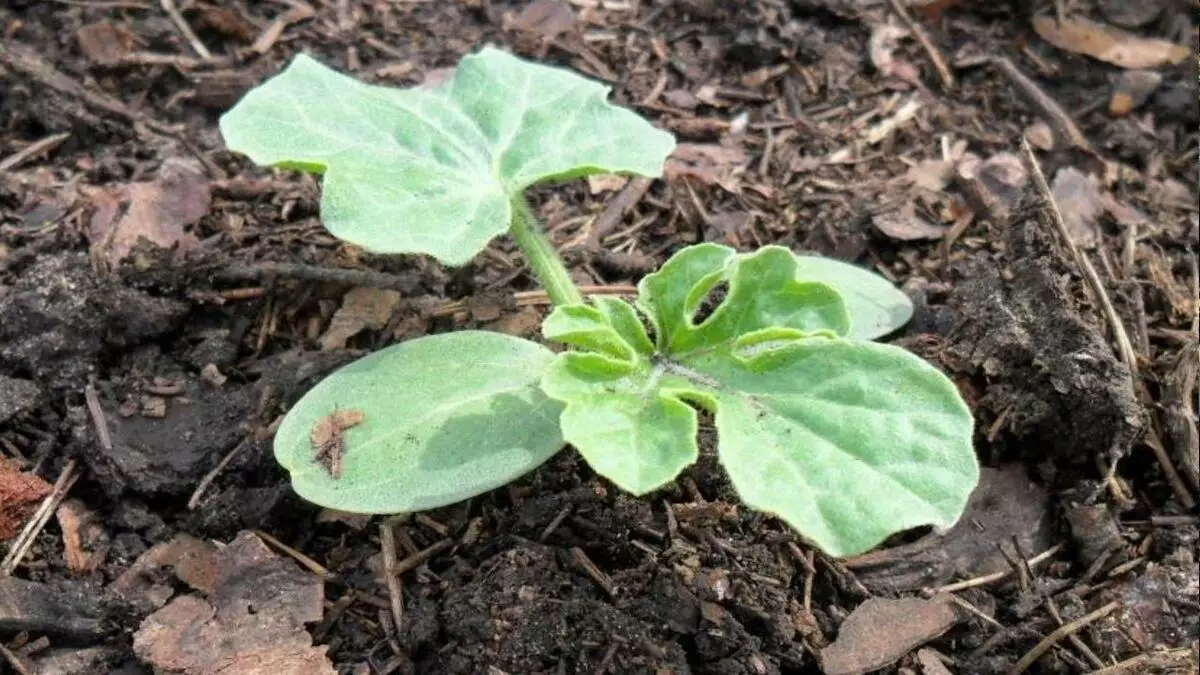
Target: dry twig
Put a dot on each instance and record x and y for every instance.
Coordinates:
(190, 35)
(1063, 631)
(935, 55)
(1058, 119)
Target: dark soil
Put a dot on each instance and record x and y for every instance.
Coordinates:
(148, 386)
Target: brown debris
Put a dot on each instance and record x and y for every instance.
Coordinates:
(191, 560)
(104, 43)
(362, 309)
(329, 444)
(1179, 394)
(157, 211)
(708, 163)
(20, 493)
(992, 185)
(547, 19)
(85, 540)
(885, 40)
(1133, 88)
(905, 225)
(252, 622)
(881, 631)
(1106, 43)
(1079, 197)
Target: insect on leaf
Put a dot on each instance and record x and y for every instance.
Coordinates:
(434, 170)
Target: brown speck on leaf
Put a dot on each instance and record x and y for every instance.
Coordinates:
(329, 444)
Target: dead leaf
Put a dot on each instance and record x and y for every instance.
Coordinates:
(1133, 88)
(1006, 505)
(885, 40)
(1078, 197)
(157, 211)
(252, 623)
(545, 18)
(708, 163)
(881, 631)
(905, 225)
(104, 43)
(362, 309)
(328, 442)
(1109, 44)
(20, 493)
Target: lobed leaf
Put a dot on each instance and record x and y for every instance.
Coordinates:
(439, 419)
(434, 170)
(845, 440)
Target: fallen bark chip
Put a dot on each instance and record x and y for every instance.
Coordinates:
(881, 631)
(192, 560)
(328, 442)
(67, 609)
(251, 624)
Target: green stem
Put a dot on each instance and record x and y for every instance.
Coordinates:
(544, 260)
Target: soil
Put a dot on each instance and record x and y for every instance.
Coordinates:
(163, 302)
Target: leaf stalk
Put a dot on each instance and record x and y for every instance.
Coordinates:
(543, 259)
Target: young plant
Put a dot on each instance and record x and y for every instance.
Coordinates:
(846, 440)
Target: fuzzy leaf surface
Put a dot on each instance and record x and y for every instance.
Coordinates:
(847, 441)
(876, 307)
(443, 418)
(434, 170)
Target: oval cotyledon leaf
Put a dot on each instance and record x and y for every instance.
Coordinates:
(422, 424)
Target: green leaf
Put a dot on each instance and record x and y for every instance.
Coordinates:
(763, 293)
(633, 432)
(875, 305)
(434, 170)
(444, 418)
(845, 440)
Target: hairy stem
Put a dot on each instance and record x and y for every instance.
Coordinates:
(543, 259)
